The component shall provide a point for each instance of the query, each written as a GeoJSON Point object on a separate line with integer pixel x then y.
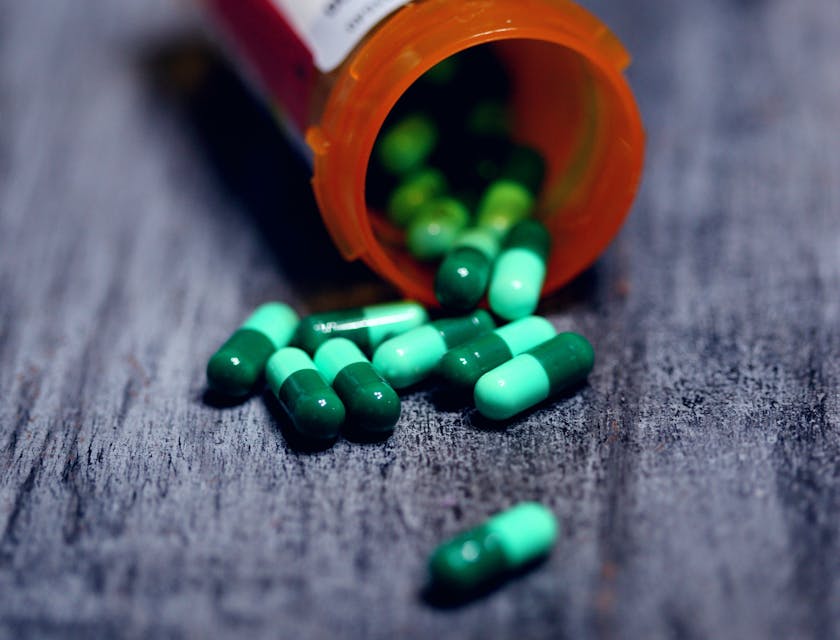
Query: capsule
{"type": "Point", "coordinates": [315, 409]}
{"type": "Point", "coordinates": [505, 543]}
{"type": "Point", "coordinates": [370, 402]}
{"type": "Point", "coordinates": [463, 275]}
{"type": "Point", "coordinates": [413, 193]}
{"type": "Point", "coordinates": [433, 232]}
{"type": "Point", "coordinates": [503, 205]}
{"type": "Point", "coordinates": [462, 366]}
{"type": "Point", "coordinates": [368, 327]}
{"type": "Point", "coordinates": [512, 197]}
{"type": "Point", "coordinates": [405, 146]}
{"type": "Point", "coordinates": [526, 166]}
{"type": "Point", "coordinates": [489, 118]}
{"type": "Point", "coordinates": [407, 359]}
{"type": "Point", "coordinates": [519, 272]}
{"type": "Point", "coordinates": [238, 365]}
{"type": "Point", "coordinates": [534, 376]}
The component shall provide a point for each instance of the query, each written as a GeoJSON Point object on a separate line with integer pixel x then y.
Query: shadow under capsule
{"type": "Point", "coordinates": [443, 598]}
{"type": "Point", "coordinates": [217, 400]}
{"type": "Point", "coordinates": [476, 420]}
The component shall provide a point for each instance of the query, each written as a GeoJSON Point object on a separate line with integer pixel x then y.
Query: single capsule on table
{"type": "Point", "coordinates": [504, 543]}
{"type": "Point", "coordinates": [512, 197]}
{"type": "Point", "coordinates": [409, 358]}
{"type": "Point", "coordinates": [519, 272]}
{"type": "Point", "coordinates": [437, 225]}
{"type": "Point", "coordinates": [464, 365]}
{"type": "Point", "coordinates": [315, 409]}
{"type": "Point", "coordinates": [534, 376]}
{"type": "Point", "coordinates": [370, 402]}
{"type": "Point", "coordinates": [368, 327]}
{"type": "Point", "coordinates": [415, 192]}
{"type": "Point", "coordinates": [406, 145]}
{"type": "Point", "coordinates": [463, 275]}
{"type": "Point", "coordinates": [238, 365]}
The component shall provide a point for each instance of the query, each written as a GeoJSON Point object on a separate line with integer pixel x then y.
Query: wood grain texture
{"type": "Point", "coordinates": [696, 477]}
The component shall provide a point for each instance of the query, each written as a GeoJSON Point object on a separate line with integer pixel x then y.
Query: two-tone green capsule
{"type": "Point", "coordinates": [519, 272]}
{"type": "Point", "coordinates": [411, 357]}
{"type": "Point", "coordinates": [236, 368]}
{"type": "Point", "coordinates": [371, 404]}
{"type": "Point", "coordinates": [464, 274]}
{"type": "Point", "coordinates": [507, 542]}
{"type": "Point", "coordinates": [462, 366]}
{"type": "Point", "coordinates": [434, 231]}
{"type": "Point", "coordinates": [368, 327]}
{"type": "Point", "coordinates": [314, 408]}
{"type": "Point", "coordinates": [534, 376]}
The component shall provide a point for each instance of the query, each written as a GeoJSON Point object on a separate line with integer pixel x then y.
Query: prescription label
{"type": "Point", "coordinates": [331, 28]}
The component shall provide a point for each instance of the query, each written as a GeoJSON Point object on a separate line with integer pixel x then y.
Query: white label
{"type": "Point", "coordinates": [331, 28]}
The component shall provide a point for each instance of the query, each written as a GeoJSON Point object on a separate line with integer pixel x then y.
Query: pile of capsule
{"type": "Point", "coordinates": [456, 191]}
{"type": "Point", "coordinates": [345, 366]}
{"type": "Point", "coordinates": [343, 369]}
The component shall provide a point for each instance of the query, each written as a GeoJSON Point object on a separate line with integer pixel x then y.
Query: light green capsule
{"type": "Point", "coordinates": [407, 145]}
{"type": "Point", "coordinates": [506, 542]}
{"type": "Point", "coordinates": [238, 365]}
{"type": "Point", "coordinates": [519, 272]}
{"type": "Point", "coordinates": [368, 327]}
{"type": "Point", "coordinates": [463, 275]}
{"type": "Point", "coordinates": [314, 408]}
{"type": "Point", "coordinates": [505, 203]}
{"type": "Point", "coordinates": [411, 357]}
{"type": "Point", "coordinates": [462, 366]}
{"type": "Point", "coordinates": [434, 231]}
{"type": "Point", "coordinates": [415, 192]}
{"type": "Point", "coordinates": [371, 403]}
{"type": "Point", "coordinates": [534, 376]}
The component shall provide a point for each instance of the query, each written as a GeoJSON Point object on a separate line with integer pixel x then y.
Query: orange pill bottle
{"type": "Point", "coordinates": [335, 68]}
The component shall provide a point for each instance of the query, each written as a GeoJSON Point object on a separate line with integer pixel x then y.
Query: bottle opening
{"type": "Point", "coordinates": [559, 78]}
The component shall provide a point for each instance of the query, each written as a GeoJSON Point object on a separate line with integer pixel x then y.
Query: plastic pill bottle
{"type": "Point", "coordinates": [335, 68]}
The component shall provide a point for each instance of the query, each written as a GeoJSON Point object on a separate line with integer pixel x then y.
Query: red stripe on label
{"type": "Point", "coordinates": [282, 61]}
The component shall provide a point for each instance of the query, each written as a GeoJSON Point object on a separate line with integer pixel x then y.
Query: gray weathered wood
{"type": "Point", "coordinates": [696, 476]}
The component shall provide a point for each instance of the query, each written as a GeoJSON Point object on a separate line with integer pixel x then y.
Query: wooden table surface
{"type": "Point", "coordinates": [146, 204]}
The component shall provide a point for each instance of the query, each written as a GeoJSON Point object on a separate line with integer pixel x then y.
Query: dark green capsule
{"type": "Point", "coordinates": [443, 73]}
{"type": "Point", "coordinates": [314, 408]}
{"type": "Point", "coordinates": [236, 368]}
{"type": "Point", "coordinates": [409, 358]}
{"type": "Point", "coordinates": [506, 542]}
{"type": "Point", "coordinates": [367, 327]}
{"type": "Point", "coordinates": [462, 277]}
{"type": "Point", "coordinates": [371, 403]}
{"type": "Point", "coordinates": [462, 366]}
